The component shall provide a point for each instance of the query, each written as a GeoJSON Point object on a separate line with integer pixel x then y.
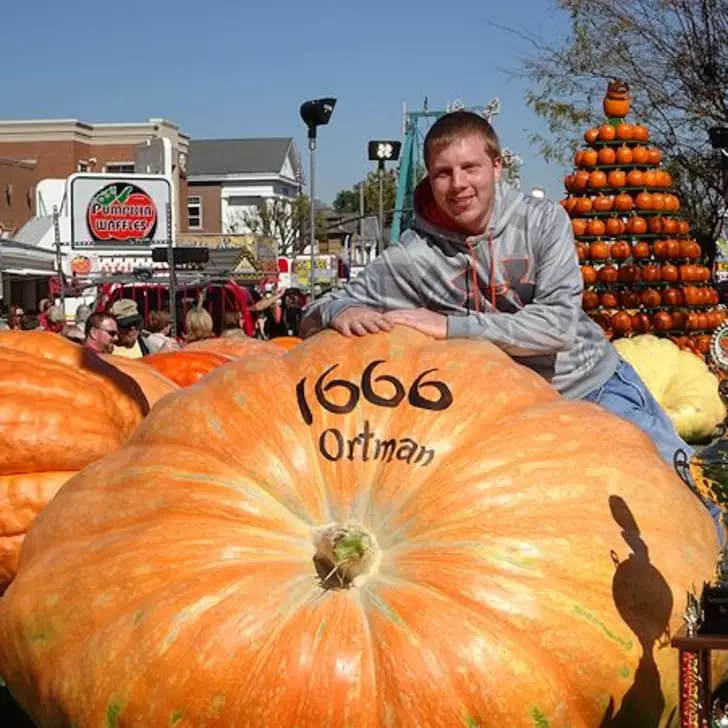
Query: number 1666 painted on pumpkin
{"type": "Point", "coordinates": [366, 389]}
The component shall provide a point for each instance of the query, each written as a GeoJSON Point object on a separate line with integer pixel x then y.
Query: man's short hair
{"type": "Point", "coordinates": [95, 321]}
{"type": "Point", "coordinates": [459, 124]}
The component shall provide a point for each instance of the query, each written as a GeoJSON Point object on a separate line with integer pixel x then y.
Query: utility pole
{"type": "Point", "coordinates": [382, 151]}
{"type": "Point", "coordinates": [315, 113]}
{"type": "Point", "coordinates": [172, 273]}
{"type": "Point", "coordinates": [59, 258]}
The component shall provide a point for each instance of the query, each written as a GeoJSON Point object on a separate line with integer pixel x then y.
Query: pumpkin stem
{"type": "Point", "coordinates": [346, 555]}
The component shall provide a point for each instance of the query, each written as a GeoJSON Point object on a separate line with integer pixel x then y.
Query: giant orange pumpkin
{"type": "Point", "coordinates": [59, 411]}
{"type": "Point", "coordinates": [186, 367]}
{"type": "Point", "coordinates": [409, 533]}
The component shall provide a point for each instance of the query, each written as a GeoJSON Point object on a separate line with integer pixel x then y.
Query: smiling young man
{"type": "Point", "coordinates": [484, 261]}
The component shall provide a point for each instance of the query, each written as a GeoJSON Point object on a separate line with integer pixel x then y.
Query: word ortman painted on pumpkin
{"type": "Point", "coordinates": [423, 393]}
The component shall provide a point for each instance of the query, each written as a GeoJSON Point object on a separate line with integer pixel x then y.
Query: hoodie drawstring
{"type": "Point", "coordinates": [474, 273]}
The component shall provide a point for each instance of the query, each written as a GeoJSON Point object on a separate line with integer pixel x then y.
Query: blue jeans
{"type": "Point", "coordinates": [626, 395]}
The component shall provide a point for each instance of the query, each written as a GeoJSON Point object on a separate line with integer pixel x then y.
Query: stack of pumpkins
{"type": "Point", "coordinates": [642, 270]}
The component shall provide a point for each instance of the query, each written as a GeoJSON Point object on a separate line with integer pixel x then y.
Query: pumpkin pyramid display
{"type": "Point", "coordinates": [643, 272]}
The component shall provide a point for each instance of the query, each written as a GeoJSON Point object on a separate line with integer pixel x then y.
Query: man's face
{"type": "Point", "coordinates": [463, 178]}
{"type": "Point", "coordinates": [103, 337]}
{"type": "Point", "coordinates": [128, 335]}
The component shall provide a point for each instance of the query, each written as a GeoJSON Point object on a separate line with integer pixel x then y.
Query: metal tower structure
{"type": "Point", "coordinates": [415, 125]}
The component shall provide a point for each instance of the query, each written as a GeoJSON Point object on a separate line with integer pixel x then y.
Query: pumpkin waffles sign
{"type": "Point", "coordinates": [343, 396]}
{"type": "Point", "coordinates": [119, 212]}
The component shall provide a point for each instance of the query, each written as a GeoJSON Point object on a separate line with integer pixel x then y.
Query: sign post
{"type": "Point", "coordinates": [172, 273]}
{"type": "Point", "coordinates": [59, 259]}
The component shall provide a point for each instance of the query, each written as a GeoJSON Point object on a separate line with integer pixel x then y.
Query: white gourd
{"type": "Point", "coordinates": [680, 381]}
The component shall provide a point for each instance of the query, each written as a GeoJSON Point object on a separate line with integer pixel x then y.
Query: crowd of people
{"type": "Point", "coordinates": [122, 330]}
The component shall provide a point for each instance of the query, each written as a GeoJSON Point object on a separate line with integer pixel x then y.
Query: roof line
{"type": "Point", "coordinates": [245, 139]}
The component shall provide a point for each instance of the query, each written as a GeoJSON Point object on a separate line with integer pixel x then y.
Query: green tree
{"type": "Point", "coordinates": [674, 55]}
{"type": "Point", "coordinates": [348, 201]}
{"type": "Point", "coordinates": [287, 221]}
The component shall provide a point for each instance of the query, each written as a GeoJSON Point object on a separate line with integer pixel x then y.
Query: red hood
{"type": "Point", "coordinates": [426, 208]}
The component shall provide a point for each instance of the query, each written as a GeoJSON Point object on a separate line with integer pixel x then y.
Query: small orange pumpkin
{"type": "Point", "coordinates": [617, 178]}
{"type": "Point", "coordinates": [237, 347]}
{"type": "Point", "coordinates": [186, 367]}
{"type": "Point", "coordinates": [607, 156]}
{"type": "Point", "coordinates": [624, 155]}
{"type": "Point", "coordinates": [286, 342]}
{"type": "Point", "coordinates": [624, 131]}
{"type": "Point", "coordinates": [606, 133]}
{"type": "Point", "coordinates": [640, 133]}
{"type": "Point", "coordinates": [617, 100]}
{"type": "Point", "coordinates": [591, 135]}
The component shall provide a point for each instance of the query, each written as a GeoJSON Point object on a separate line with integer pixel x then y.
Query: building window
{"type": "Point", "coordinates": [83, 166]}
{"type": "Point", "coordinates": [194, 212]}
{"type": "Point", "coordinates": [120, 168]}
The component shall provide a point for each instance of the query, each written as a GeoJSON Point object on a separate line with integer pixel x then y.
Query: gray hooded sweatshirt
{"type": "Point", "coordinates": [517, 285]}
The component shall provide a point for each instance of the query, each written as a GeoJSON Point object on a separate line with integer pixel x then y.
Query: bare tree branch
{"type": "Point", "coordinates": [673, 53]}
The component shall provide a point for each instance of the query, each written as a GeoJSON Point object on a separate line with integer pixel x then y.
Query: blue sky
{"type": "Point", "coordinates": [241, 69]}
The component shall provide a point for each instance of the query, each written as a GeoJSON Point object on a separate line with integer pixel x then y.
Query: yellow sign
{"type": "Point", "coordinates": [325, 271]}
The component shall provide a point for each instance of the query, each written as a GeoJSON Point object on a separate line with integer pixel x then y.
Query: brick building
{"type": "Point", "coordinates": [17, 179]}
{"type": "Point", "coordinates": [31, 151]}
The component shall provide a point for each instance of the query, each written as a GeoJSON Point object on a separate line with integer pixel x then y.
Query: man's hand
{"type": "Point", "coordinates": [422, 319]}
{"type": "Point", "coordinates": [360, 321]}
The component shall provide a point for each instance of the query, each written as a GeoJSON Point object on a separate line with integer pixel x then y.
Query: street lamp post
{"type": "Point", "coordinates": [315, 113]}
{"type": "Point", "coordinates": [382, 151]}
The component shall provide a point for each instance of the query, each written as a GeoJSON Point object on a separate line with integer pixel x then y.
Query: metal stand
{"type": "Point", "coordinates": [695, 677]}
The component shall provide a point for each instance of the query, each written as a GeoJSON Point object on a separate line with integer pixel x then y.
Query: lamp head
{"type": "Point", "coordinates": [317, 112]}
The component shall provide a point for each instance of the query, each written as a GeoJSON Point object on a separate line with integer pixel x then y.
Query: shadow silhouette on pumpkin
{"type": "Point", "coordinates": [11, 714]}
{"type": "Point", "coordinates": [644, 601]}
{"type": "Point", "coordinates": [122, 381]}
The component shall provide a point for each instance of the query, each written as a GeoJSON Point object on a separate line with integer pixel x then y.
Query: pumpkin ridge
{"type": "Point", "coordinates": [374, 666]}
{"type": "Point", "coordinates": [448, 686]}
{"type": "Point", "coordinates": [225, 477]}
{"type": "Point", "coordinates": [227, 381]}
{"type": "Point", "coordinates": [403, 499]}
{"type": "Point", "coordinates": [263, 655]}
{"type": "Point", "coordinates": [517, 638]}
{"type": "Point", "coordinates": [228, 478]}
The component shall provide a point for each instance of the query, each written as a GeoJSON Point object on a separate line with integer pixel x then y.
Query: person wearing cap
{"type": "Point", "coordinates": [129, 344]}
